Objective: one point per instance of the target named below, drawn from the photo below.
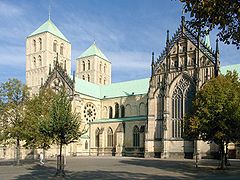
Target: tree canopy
(221, 14)
(215, 116)
(13, 95)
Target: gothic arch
(128, 110)
(142, 109)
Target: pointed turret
(167, 40)
(152, 65)
(217, 61)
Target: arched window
(88, 65)
(136, 136)
(88, 78)
(86, 144)
(100, 67)
(110, 137)
(83, 77)
(116, 110)
(40, 43)
(122, 111)
(34, 62)
(55, 46)
(41, 81)
(100, 80)
(104, 81)
(61, 49)
(181, 101)
(34, 45)
(40, 60)
(104, 68)
(83, 66)
(97, 135)
(110, 112)
(142, 109)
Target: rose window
(89, 112)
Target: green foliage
(36, 114)
(13, 95)
(216, 111)
(64, 125)
(221, 14)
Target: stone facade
(134, 118)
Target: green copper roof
(93, 50)
(121, 89)
(133, 118)
(232, 67)
(50, 27)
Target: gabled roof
(50, 27)
(186, 31)
(121, 89)
(93, 50)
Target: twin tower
(47, 45)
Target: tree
(13, 95)
(221, 14)
(215, 116)
(36, 113)
(63, 125)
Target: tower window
(104, 68)
(34, 62)
(40, 60)
(40, 44)
(100, 79)
(83, 77)
(100, 67)
(88, 78)
(61, 49)
(55, 46)
(88, 65)
(83, 66)
(34, 45)
(104, 81)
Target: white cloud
(7, 9)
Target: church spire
(167, 41)
(152, 65)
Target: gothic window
(136, 136)
(34, 45)
(100, 67)
(104, 81)
(83, 77)
(41, 81)
(86, 144)
(116, 110)
(40, 60)
(56, 84)
(83, 66)
(88, 78)
(34, 62)
(97, 135)
(122, 111)
(110, 137)
(104, 68)
(207, 74)
(89, 112)
(181, 102)
(88, 65)
(61, 49)
(40, 43)
(55, 46)
(110, 112)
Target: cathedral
(141, 118)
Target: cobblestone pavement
(120, 168)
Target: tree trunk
(60, 167)
(222, 164)
(18, 152)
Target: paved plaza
(121, 168)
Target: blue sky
(126, 31)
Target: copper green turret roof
(93, 50)
(50, 27)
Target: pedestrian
(41, 158)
